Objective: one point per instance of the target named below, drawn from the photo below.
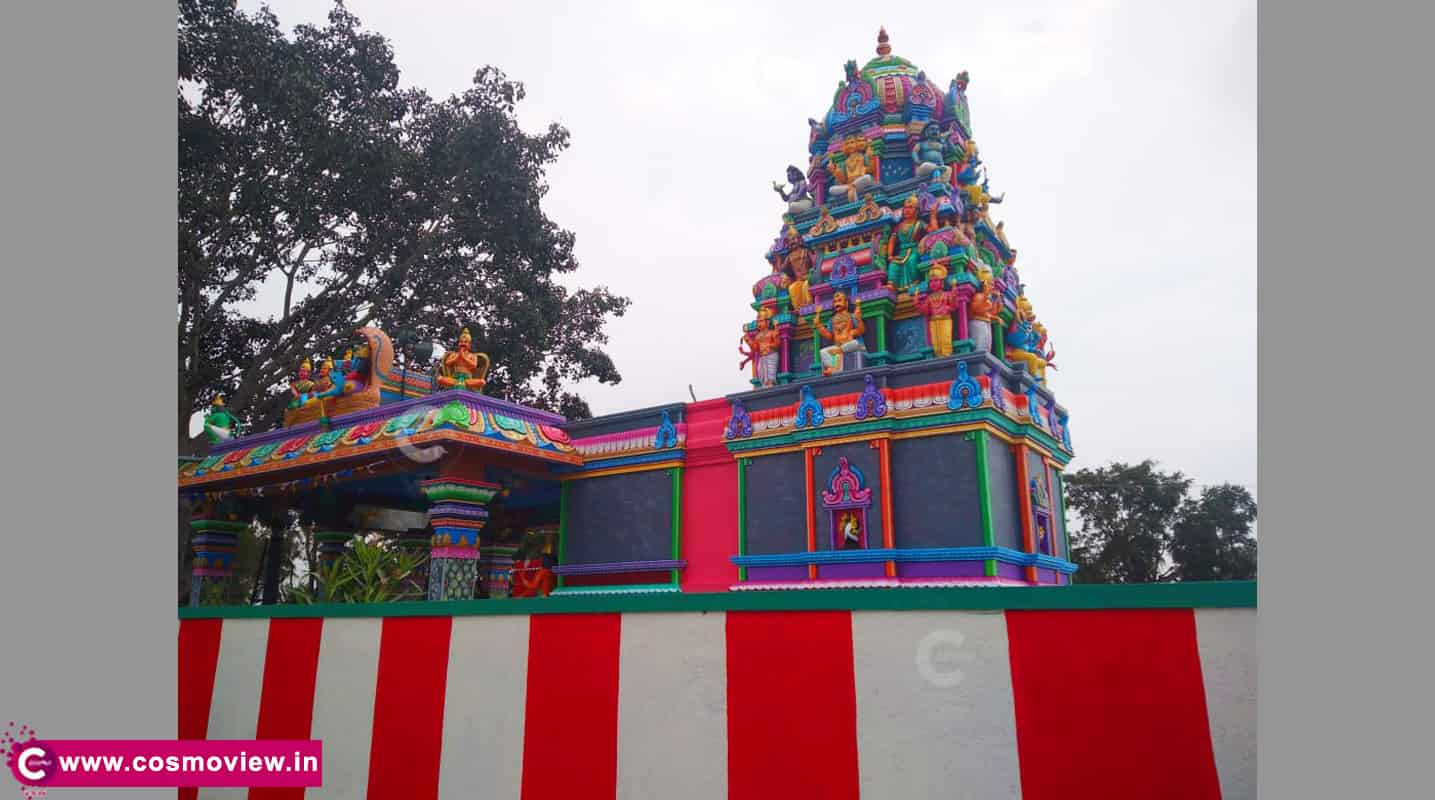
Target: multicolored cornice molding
(457, 416)
(974, 387)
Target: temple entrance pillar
(457, 514)
(215, 542)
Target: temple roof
(392, 431)
(887, 83)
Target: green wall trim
(984, 493)
(1216, 594)
(562, 527)
(815, 435)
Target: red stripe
(570, 728)
(408, 708)
(286, 701)
(1110, 704)
(198, 658)
(791, 705)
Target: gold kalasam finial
(882, 47)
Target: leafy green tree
(1126, 514)
(304, 165)
(1211, 537)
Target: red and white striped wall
(747, 705)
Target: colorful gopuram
(898, 430)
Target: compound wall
(1071, 692)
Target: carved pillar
(457, 513)
(331, 546)
(215, 542)
(818, 180)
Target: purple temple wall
(777, 573)
(941, 569)
(828, 571)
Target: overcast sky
(1123, 134)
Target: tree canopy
(1139, 525)
(304, 165)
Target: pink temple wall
(709, 501)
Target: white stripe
(935, 714)
(238, 679)
(672, 707)
(483, 709)
(1226, 638)
(344, 687)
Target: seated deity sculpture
(765, 342)
(326, 385)
(799, 198)
(930, 154)
(854, 172)
(845, 333)
(463, 368)
(355, 367)
(302, 388)
(1021, 339)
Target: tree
(303, 165)
(1126, 514)
(1211, 538)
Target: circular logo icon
(936, 653)
(34, 763)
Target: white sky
(1123, 134)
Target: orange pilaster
(889, 537)
(1023, 480)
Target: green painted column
(677, 473)
(562, 526)
(984, 492)
(1060, 512)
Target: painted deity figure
(960, 110)
(765, 341)
(982, 312)
(1021, 341)
(799, 198)
(937, 305)
(973, 181)
(325, 385)
(302, 388)
(854, 174)
(851, 531)
(463, 368)
(796, 264)
(532, 576)
(845, 333)
(1049, 356)
(219, 424)
(930, 154)
(355, 365)
(902, 247)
